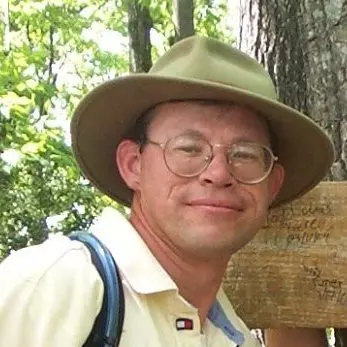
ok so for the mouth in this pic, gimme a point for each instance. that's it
(215, 205)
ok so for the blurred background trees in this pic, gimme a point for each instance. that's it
(51, 54)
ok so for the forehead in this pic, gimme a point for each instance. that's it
(217, 120)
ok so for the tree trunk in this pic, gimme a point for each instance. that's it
(341, 337)
(183, 18)
(139, 27)
(303, 44)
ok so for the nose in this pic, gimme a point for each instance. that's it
(217, 173)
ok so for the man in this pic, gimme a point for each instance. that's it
(200, 149)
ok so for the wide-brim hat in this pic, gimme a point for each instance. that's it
(195, 68)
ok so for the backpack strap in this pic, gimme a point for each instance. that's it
(107, 328)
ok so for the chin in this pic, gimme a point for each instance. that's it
(214, 245)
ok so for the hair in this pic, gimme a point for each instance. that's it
(138, 132)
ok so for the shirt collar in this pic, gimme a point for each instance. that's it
(131, 254)
(219, 319)
(141, 269)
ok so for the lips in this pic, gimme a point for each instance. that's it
(217, 204)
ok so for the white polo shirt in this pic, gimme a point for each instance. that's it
(50, 295)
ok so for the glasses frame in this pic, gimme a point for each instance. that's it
(208, 160)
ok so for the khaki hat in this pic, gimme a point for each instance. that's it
(195, 68)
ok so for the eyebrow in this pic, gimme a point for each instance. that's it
(192, 132)
(237, 139)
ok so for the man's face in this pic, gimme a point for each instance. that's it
(210, 213)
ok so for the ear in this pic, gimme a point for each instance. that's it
(276, 181)
(128, 160)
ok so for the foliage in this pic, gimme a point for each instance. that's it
(51, 54)
(51, 63)
(211, 19)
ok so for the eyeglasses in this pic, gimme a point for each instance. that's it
(190, 155)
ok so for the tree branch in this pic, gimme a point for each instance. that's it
(6, 19)
(51, 54)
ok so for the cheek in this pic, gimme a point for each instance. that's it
(260, 196)
(156, 181)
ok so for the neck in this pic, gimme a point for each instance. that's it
(198, 279)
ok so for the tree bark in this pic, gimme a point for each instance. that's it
(303, 45)
(139, 27)
(183, 18)
(341, 337)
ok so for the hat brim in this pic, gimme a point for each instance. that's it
(105, 115)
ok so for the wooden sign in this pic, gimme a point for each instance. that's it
(294, 272)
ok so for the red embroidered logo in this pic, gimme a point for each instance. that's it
(184, 324)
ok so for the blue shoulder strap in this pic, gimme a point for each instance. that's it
(108, 325)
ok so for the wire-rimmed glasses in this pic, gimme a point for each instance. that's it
(189, 155)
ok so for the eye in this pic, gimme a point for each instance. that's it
(244, 155)
(193, 149)
(187, 145)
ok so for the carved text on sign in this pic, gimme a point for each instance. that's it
(310, 213)
(299, 225)
(327, 289)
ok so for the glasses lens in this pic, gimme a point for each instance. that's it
(187, 155)
(250, 163)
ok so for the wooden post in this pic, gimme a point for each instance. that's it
(294, 272)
